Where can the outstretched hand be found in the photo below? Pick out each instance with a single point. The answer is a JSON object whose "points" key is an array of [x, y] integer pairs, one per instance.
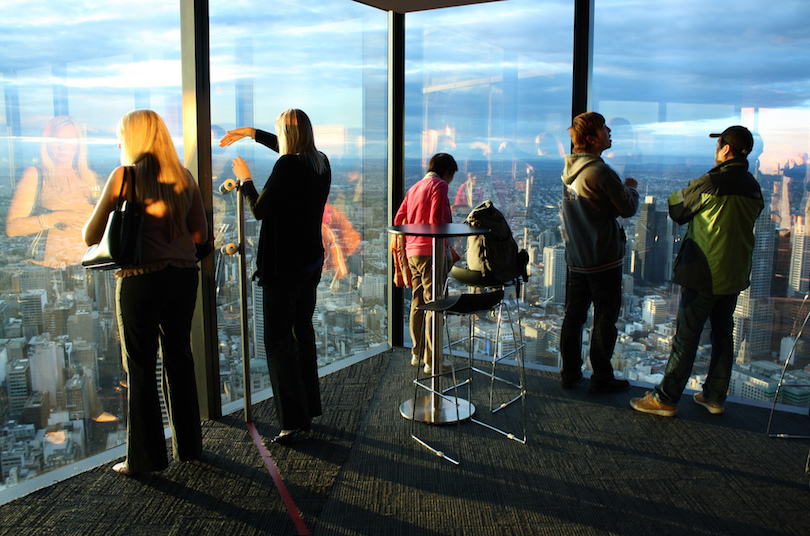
{"points": [[236, 135]]}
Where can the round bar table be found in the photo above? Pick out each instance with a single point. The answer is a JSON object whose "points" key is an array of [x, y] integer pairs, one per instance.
{"points": [[436, 409]]}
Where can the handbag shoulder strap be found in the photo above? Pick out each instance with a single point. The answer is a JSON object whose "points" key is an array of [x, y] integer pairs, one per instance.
{"points": [[127, 171]]}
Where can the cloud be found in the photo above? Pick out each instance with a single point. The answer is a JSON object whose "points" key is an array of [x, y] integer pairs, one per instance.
{"points": [[507, 60]]}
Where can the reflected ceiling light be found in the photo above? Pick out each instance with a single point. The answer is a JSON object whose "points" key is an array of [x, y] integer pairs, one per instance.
{"points": [[57, 438]]}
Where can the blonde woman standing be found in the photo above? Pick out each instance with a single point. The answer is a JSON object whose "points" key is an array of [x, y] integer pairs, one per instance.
{"points": [[155, 300], [289, 261]]}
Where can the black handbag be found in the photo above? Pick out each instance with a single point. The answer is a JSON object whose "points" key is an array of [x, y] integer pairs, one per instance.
{"points": [[120, 246]]}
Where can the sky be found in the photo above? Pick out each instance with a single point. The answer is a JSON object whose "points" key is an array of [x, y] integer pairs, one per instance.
{"points": [[676, 70]]}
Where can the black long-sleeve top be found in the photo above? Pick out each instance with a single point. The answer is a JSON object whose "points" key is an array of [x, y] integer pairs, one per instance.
{"points": [[290, 208]]}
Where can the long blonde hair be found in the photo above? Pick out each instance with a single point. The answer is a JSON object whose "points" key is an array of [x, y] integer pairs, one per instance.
{"points": [[295, 136], [51, 179], [159, 174]]}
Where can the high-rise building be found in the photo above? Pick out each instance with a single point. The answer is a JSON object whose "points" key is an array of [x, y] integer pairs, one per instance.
{"points": [[628, 265], [47, 360], [555, 274], [32, 306], [32, 277], [18, 385], [83, 302], [104, 290], [36, 410], [55, 318], [654, 310], [82, 325], [373, 287], [5, 316], [753, 316], [76, 399], [653, 243], [780, 202], [799, 275], [260, 351], [548, 238], [83, 354]]}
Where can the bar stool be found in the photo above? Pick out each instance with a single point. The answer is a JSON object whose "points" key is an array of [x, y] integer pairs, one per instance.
{"points": [[490, 297], [451, 407]]}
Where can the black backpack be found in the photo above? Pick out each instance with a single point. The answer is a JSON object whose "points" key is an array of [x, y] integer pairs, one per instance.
{"points": [[496, 253]]}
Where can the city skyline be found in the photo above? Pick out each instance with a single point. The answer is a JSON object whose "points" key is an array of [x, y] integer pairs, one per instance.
{"points": [[491, 84]]}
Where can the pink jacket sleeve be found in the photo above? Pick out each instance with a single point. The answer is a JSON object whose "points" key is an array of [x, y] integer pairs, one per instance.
{"points": [[440, 204]]}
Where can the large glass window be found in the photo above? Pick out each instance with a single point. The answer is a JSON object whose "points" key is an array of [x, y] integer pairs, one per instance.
{"points": [[491, 85], [330, 60], [488, 83], [664, 79], [64, 84]]}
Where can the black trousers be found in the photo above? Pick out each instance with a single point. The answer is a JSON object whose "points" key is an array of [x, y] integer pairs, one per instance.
{"points": [[155, 311], [289, 303], [604, 291]]}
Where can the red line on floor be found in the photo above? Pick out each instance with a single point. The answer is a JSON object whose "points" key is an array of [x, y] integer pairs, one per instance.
{"points": [[295, 515]]}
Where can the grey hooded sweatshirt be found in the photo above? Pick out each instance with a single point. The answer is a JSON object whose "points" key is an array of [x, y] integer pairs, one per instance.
{"points": [[593, 197]]}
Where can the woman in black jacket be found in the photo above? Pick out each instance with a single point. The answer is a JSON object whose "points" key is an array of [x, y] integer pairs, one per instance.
{"points": [[289, 260]]}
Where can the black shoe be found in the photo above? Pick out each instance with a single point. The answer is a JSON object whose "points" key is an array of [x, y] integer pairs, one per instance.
{"points": [[288, 437], [567, 383], [612, 386]]}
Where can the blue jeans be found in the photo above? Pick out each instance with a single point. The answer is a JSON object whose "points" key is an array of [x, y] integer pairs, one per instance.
{"points": [[695, 309], [604, 290]]}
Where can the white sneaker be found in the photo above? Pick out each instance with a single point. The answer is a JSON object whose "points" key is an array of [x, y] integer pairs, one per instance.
{"points": [[415, 361]]}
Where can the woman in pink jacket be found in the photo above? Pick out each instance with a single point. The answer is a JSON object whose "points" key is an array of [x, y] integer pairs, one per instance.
{"points": [[426, 202]]}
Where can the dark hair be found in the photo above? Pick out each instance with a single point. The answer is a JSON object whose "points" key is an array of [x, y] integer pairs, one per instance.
{"points": [[584, 125], [441, 163]]}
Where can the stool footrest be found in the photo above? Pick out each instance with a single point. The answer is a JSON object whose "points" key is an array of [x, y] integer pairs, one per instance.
{"points": [[439, 453], [507, 404], [494, 429]]}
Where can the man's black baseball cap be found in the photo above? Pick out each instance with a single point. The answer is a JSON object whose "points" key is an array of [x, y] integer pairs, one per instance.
{"points": [[738, 137]]}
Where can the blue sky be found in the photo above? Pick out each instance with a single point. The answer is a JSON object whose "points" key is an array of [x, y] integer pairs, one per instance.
{"points": [[675, 69]]}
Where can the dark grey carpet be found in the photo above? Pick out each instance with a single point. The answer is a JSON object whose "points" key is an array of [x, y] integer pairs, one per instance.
{"points": [[591, 466]]}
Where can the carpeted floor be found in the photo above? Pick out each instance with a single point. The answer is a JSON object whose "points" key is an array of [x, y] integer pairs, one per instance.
{"points": [[591, 465]]}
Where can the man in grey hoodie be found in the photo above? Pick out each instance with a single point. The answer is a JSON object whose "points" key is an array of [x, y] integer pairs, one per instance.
{"points": [[593, 198]]}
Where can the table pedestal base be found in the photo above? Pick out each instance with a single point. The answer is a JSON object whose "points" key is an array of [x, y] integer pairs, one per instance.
{"points": [[420, 409]]}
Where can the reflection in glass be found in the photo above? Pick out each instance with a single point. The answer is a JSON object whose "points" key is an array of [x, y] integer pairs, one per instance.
{"points": [[62, 389], [661, 107], [54, 199], [497, 73], [497, 98], [342, 86]]}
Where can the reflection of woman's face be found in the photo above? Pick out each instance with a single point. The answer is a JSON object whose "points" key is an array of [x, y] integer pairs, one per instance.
{"points": [[64, 147]]}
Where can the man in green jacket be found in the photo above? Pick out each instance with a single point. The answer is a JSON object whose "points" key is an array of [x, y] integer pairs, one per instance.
{"points": [[713, 266]]}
